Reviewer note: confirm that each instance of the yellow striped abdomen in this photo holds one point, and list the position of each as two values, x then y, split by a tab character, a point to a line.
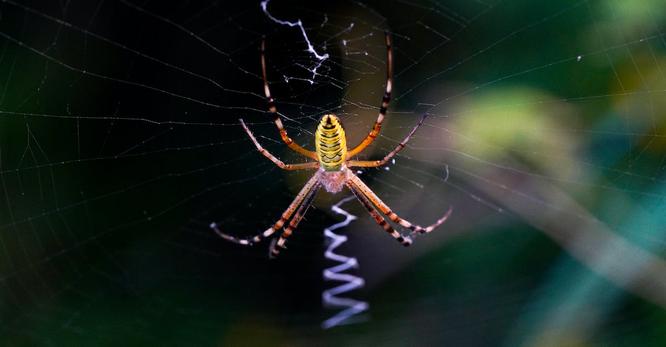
331	143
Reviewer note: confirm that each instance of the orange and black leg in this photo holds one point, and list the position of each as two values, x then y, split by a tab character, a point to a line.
363	188
376	163
404	240
307	189
273	110
307	202
384	105
271	157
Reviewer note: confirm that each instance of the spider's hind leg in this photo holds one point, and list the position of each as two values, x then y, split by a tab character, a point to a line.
362	188
307	189
289	228
404	240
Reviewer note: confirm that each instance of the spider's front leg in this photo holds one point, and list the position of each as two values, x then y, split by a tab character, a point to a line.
276	116
377	127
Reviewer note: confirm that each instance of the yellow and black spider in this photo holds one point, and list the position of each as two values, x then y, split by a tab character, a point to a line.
332	162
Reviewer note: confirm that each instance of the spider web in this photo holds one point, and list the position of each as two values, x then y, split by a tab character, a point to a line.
120	144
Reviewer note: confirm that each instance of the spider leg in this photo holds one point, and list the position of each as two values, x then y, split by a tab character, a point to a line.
288	229
276	117
278	162
401	145
385	101
404	240
275	227
363	188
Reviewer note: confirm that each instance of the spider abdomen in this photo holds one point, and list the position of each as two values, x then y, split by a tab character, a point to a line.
331	143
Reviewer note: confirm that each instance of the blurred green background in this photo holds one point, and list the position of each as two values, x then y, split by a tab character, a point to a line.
120	143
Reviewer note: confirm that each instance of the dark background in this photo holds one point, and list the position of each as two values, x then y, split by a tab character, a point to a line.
120	143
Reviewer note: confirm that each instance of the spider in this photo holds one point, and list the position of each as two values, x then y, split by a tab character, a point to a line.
332	160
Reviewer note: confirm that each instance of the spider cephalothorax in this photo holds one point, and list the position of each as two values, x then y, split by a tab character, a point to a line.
332	162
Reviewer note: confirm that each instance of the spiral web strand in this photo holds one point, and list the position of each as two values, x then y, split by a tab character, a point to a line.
330	298
320	57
